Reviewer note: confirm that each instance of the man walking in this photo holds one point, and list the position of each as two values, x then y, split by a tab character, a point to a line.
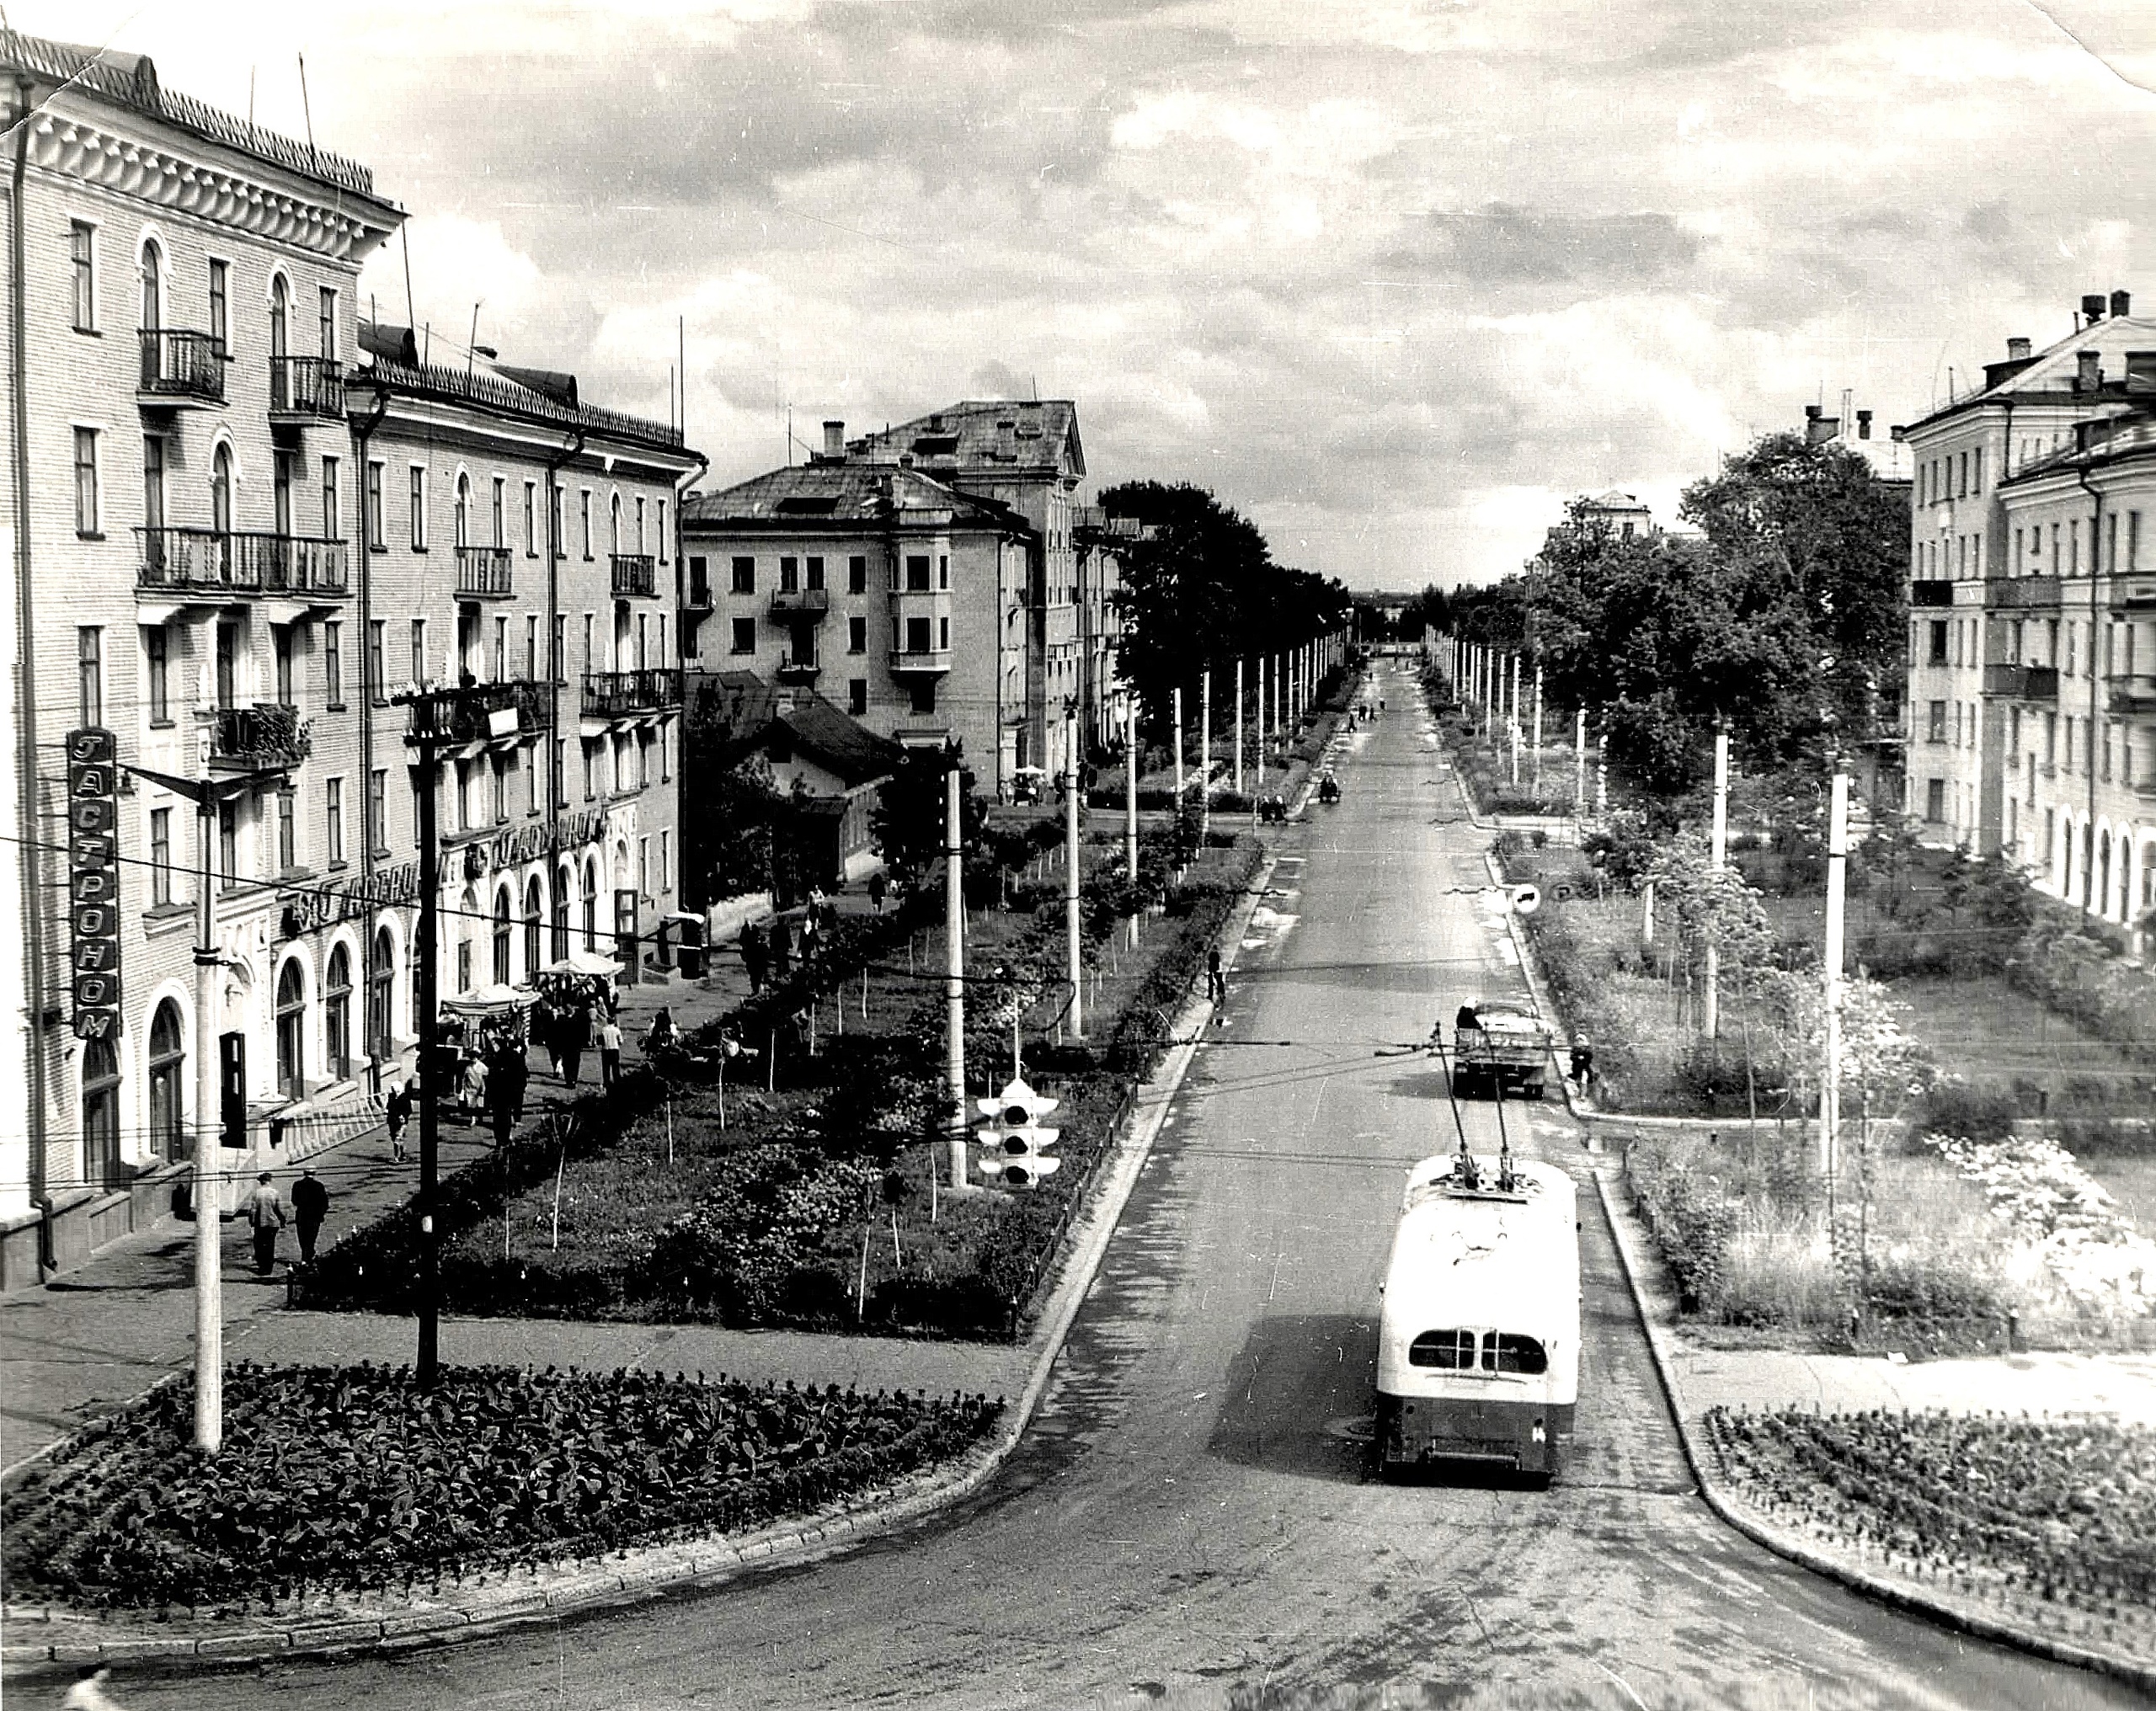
310	1205
576	1035
1216	981
397	1113
752	956
264	1209
610	1052
878	885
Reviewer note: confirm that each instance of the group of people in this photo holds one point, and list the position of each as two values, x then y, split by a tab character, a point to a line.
569	1024
769	951
267	1212
1361	714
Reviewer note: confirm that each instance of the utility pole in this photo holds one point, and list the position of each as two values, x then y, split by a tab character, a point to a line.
1602	774
426	709
1071	877
1130	787
1204	756
1718	852
954	976
1579	764
1512	722
1239	725
208	1194
1178	723
1537	750
1830	1071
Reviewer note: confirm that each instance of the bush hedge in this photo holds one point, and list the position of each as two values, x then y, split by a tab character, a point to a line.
355	1479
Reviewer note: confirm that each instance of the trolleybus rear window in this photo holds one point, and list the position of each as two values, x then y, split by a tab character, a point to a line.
1518	1354
1454	1349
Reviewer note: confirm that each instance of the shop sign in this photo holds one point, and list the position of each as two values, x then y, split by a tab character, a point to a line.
93	880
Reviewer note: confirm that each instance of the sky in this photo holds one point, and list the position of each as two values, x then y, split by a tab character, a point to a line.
1393	278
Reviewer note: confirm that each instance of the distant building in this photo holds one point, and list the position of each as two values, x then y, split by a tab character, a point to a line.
1623	515
2032	733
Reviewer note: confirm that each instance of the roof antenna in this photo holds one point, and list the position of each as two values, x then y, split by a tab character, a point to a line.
307	108
411	314
470	348
250	100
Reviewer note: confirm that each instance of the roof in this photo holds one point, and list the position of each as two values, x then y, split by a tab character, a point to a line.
2052	370
837	743
737	712
984	436
130	80
510	391
2100	440
823	496
1615	500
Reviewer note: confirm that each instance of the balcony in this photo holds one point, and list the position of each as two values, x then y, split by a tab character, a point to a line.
478	712
635	575
303	387
2133	696
483	573
1060	626
1931	593
920	661
794	670
790	604
267	738
2020	592
2135	593
699	598
237	563
180	369
620	695
2022	683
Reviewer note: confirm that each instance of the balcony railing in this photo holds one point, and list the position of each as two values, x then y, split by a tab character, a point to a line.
800	603
923	660
2134	593
793	670
2134	695
635	575
614	695
306	386
699	597
2021	591
483	573
182	365
478	712
2022	683
262	739
1931	593
238	564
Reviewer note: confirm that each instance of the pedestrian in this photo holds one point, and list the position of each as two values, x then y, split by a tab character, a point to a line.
782	949
310	1205
511	1072
1583	1061
499	1108
264	1209
474	1087
87	1691
576	1035
877	887
662	1035
1216	983
397	1112
754	952
610	1052
546	1023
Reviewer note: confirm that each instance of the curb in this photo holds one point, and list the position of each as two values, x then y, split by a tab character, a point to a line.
1902	1595
663	1568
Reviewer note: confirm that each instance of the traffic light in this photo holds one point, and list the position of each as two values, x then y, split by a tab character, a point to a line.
1014	1146
231	1090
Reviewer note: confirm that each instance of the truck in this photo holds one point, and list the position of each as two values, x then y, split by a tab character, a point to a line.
1501	1046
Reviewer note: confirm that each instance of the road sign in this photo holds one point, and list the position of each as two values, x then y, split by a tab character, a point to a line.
1525	899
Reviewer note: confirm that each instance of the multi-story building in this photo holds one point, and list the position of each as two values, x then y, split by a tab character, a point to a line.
182	296
1103	691
2000	627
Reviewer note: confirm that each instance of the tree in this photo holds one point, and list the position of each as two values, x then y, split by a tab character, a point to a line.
907	823
754	836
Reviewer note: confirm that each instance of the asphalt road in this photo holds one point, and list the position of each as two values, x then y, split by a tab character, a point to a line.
1190	1521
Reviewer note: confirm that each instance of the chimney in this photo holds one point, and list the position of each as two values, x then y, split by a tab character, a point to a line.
1864	425
1818	426
2089	377
2121	306
2017	350
2092	307
835	440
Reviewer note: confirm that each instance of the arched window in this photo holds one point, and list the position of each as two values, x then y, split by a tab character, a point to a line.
220	508
463	510
467	930
564	883
167	1138
501	935
153	290
337	1013
381	983
613	511
100	1113
280	317
591	905
2102	900
535	907
292	1030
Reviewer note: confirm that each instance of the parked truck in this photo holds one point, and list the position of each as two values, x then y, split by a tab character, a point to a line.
1500	1048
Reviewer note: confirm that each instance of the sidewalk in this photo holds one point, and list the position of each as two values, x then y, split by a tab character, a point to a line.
110	1329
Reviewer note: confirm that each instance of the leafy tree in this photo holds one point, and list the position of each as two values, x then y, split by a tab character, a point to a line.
755	837
906	825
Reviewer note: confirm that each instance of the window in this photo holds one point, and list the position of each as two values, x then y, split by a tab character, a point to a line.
153	499
745	635
584	521
639	522
280	648
332	820
333	504
376	677
590	771
856	635
665	861
531	647
744	576
643	631
814	574
83	256
1937	730
554	521
228	842
372	523
560	647
419	650
1937	656
1451	1351
664	658
917	573
288	856
337	1015
532	519
378	811
419	507
857	696
381	979
1935	799
100	1113
333	662
942	570
86	481
326	321
501	935
160	858
168	1136
563	884
157	648
534	913
501	770
501	649
1515	1354
643	866
943	635
501	488
460	514
789	575
662	530
665	753
917	634
153	288
589	663
614	525
221	312
89	674
291	1036
856	575
227	665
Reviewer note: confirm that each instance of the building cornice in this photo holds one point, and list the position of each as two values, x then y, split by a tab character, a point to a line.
160	176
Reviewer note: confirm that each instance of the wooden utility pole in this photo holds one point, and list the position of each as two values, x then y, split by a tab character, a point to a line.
1718	854
1071	909
1830	1071
954	977
1204	756
1239	727
1177	697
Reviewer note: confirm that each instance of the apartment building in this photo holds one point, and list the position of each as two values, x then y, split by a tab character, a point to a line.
1104	694
2000	616
180	501
894	596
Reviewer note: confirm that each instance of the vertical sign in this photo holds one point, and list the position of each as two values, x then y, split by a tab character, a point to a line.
93	880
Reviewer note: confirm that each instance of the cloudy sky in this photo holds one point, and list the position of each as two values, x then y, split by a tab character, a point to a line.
1392	277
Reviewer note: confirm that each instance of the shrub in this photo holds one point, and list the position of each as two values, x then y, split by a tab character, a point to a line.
1955	1107
1691	1223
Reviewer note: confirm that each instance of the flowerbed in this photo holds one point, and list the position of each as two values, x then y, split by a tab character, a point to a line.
2063	1509
353	1479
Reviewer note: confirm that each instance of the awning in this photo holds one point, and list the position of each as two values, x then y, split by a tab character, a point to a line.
588	962
490	1000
